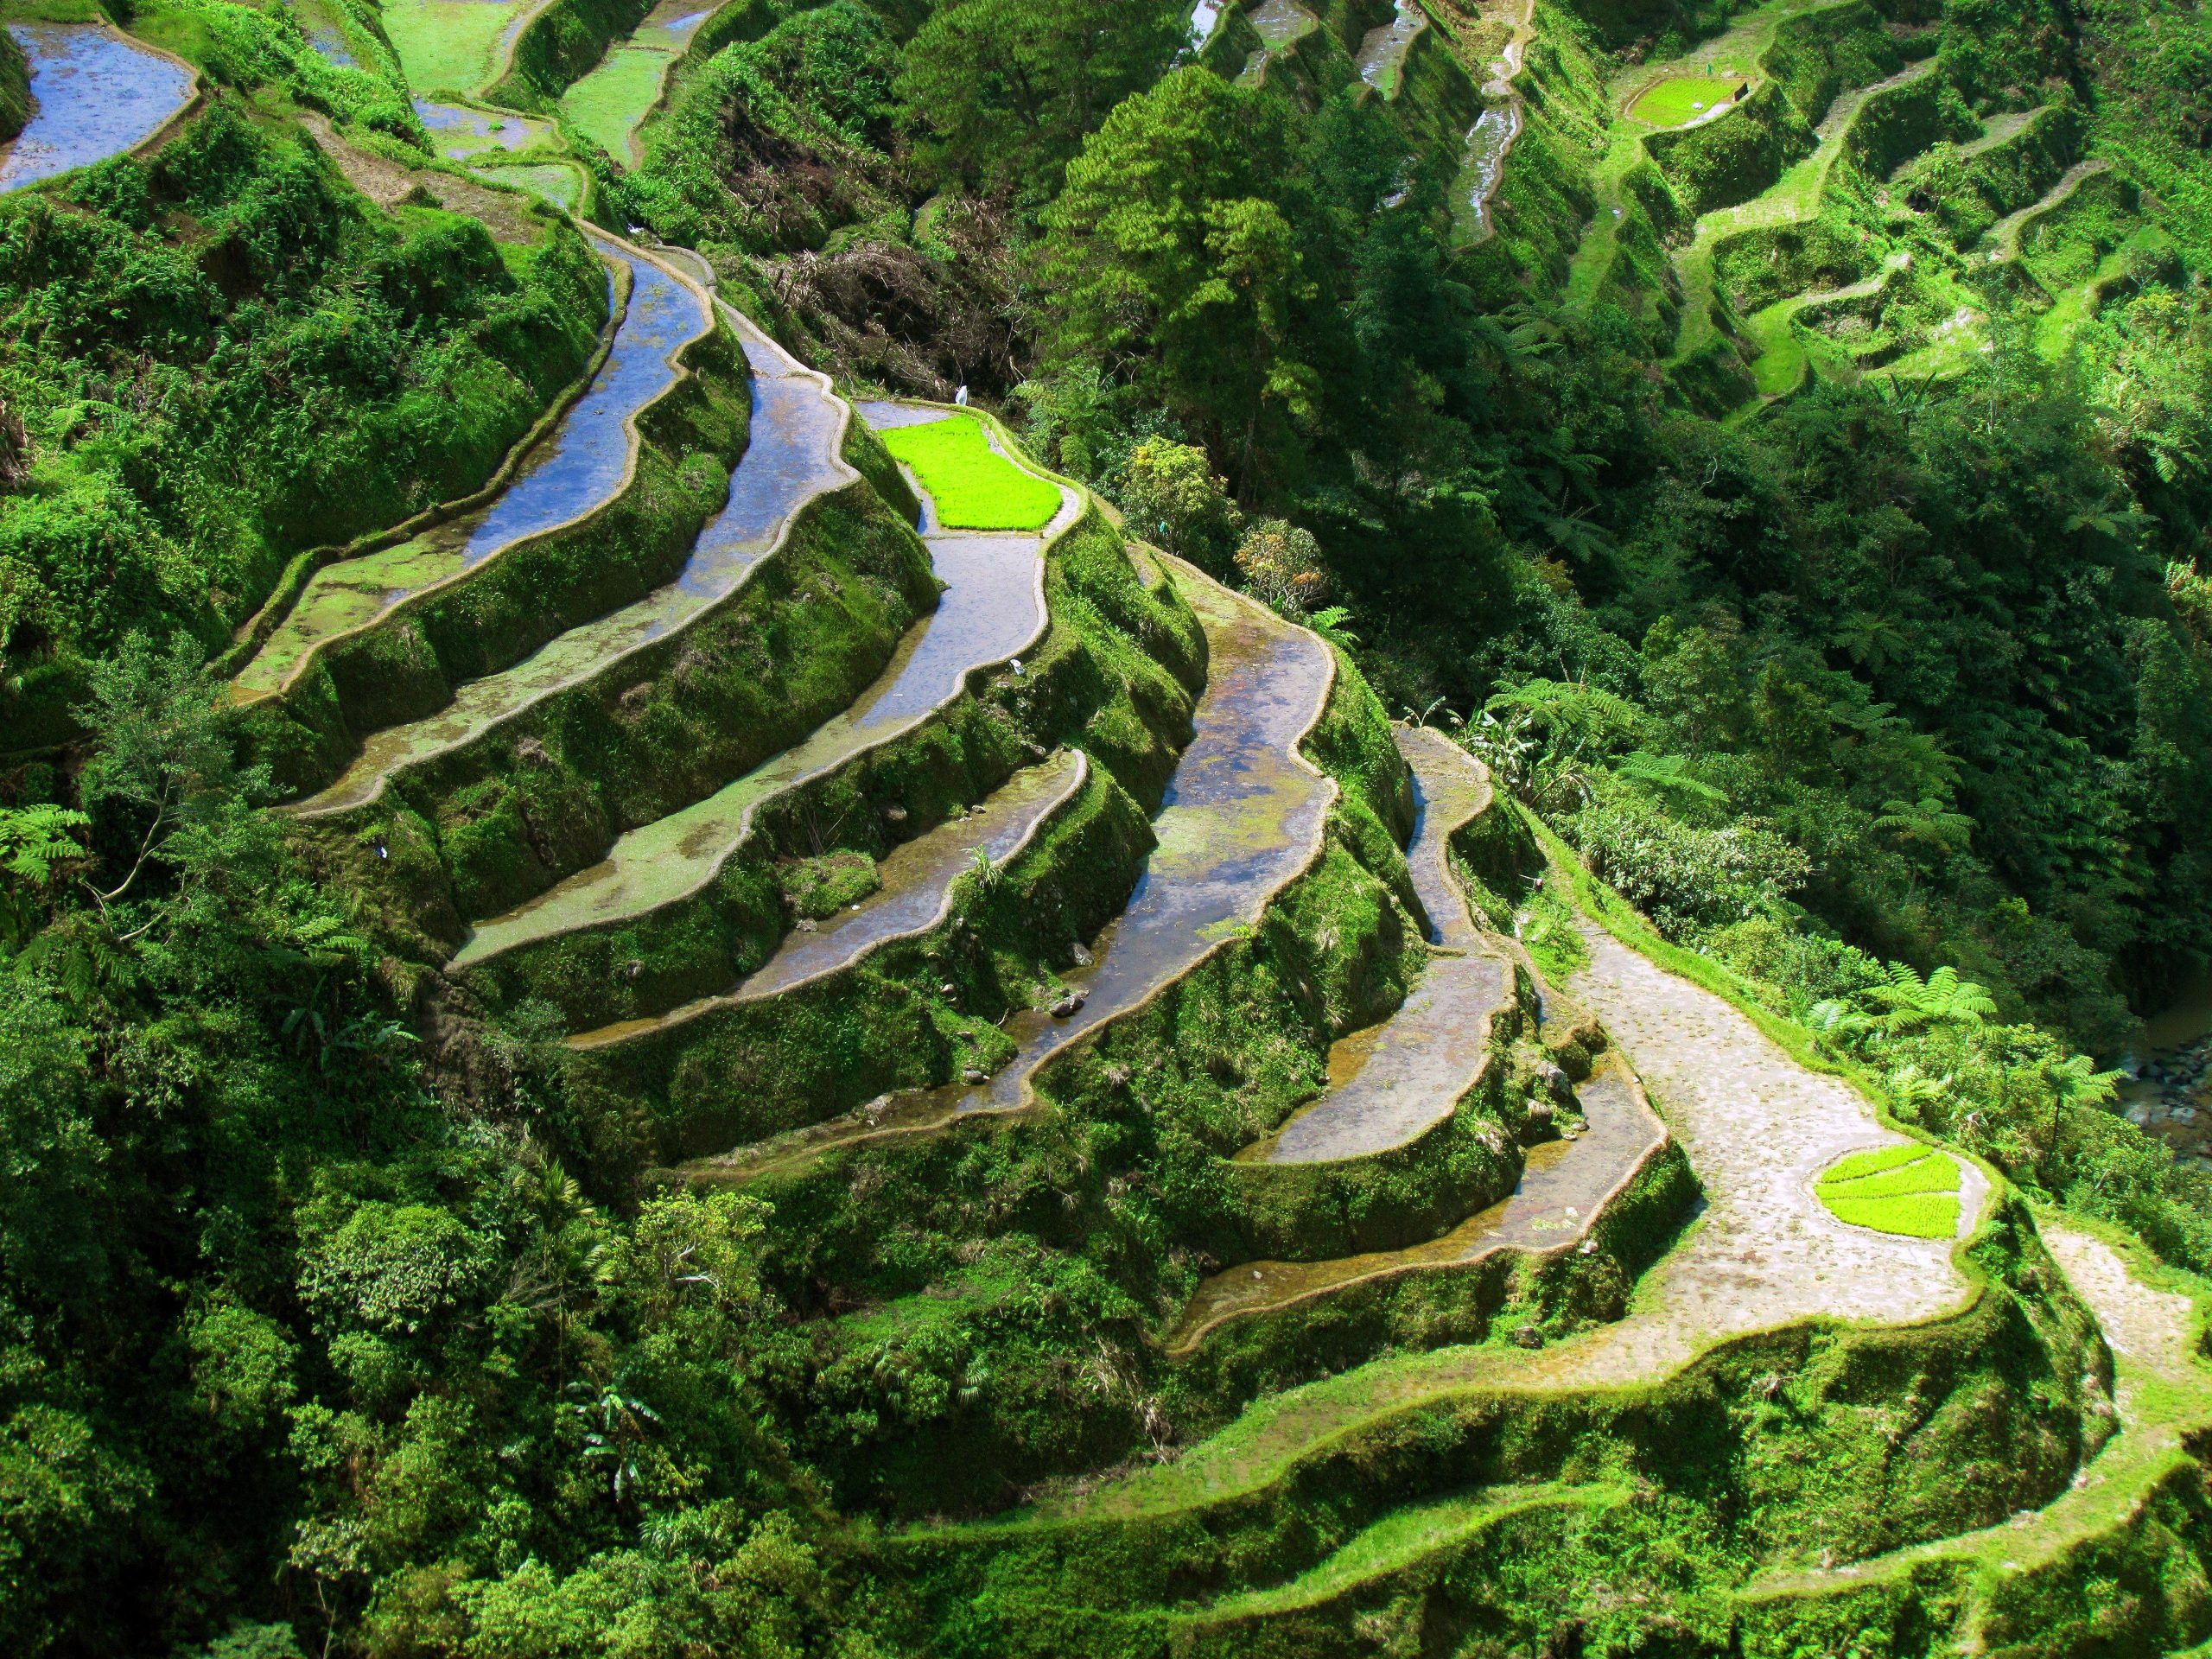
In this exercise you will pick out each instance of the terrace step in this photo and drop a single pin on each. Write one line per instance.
(1794, 199)
(1399, 1553)
(610, 104)
(447, 48)
(2161, 1396)
(583, 464)
(96, 92)
(1564, 1188)
(1381, 58)
(2002, 243)
(792, 459)
(1390, 1084)
(918, 879)
(992, 610)
(1244, 816)
(1757, 1125)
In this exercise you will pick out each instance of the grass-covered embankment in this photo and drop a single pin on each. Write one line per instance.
(205, 397)
(15, 86)
(477, 830)
(405, 663)
(1769, 1449)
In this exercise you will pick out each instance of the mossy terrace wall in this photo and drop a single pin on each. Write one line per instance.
(479, 829)
(1124, 1164)
(1805, 1444)
(559, 46)
(1116, 675)
(407, 664)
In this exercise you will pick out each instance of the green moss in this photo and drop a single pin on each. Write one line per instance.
(15, 86)
(546, 793)
(559, 46)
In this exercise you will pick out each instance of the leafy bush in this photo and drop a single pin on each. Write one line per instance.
(1687, 877)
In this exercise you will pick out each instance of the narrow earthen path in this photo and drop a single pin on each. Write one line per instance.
(992, 610)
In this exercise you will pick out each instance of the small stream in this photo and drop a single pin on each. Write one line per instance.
(2170, 1094)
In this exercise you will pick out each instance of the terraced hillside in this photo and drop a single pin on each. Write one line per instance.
(860, 1033)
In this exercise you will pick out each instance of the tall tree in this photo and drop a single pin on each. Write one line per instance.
(1010, 88)
(1178, 249)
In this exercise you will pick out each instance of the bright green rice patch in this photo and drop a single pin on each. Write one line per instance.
(1682, 99)
(1914, 1215)
(446, 44)
(1912, 1191)
(1858, 1165)
(608, 104)
(1922, 1175)
(975, 486)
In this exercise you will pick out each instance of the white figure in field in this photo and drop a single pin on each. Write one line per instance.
(961, 397)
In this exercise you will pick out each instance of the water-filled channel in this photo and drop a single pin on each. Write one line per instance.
(96, 94)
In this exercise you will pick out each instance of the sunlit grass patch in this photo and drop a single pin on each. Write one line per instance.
(447, 44)
(609, 104)
(1683, 98)
(1909, 1190)
(975, 486)
(1859, 1165)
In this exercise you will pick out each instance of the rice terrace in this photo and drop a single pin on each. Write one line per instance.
(983, 828)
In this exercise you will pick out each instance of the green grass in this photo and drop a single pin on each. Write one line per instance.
(1682, 99)
(1936, 1174)
(1912, 1191)
(446, 44)
(1917, 1214)
(975, 486)
(609, 104)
